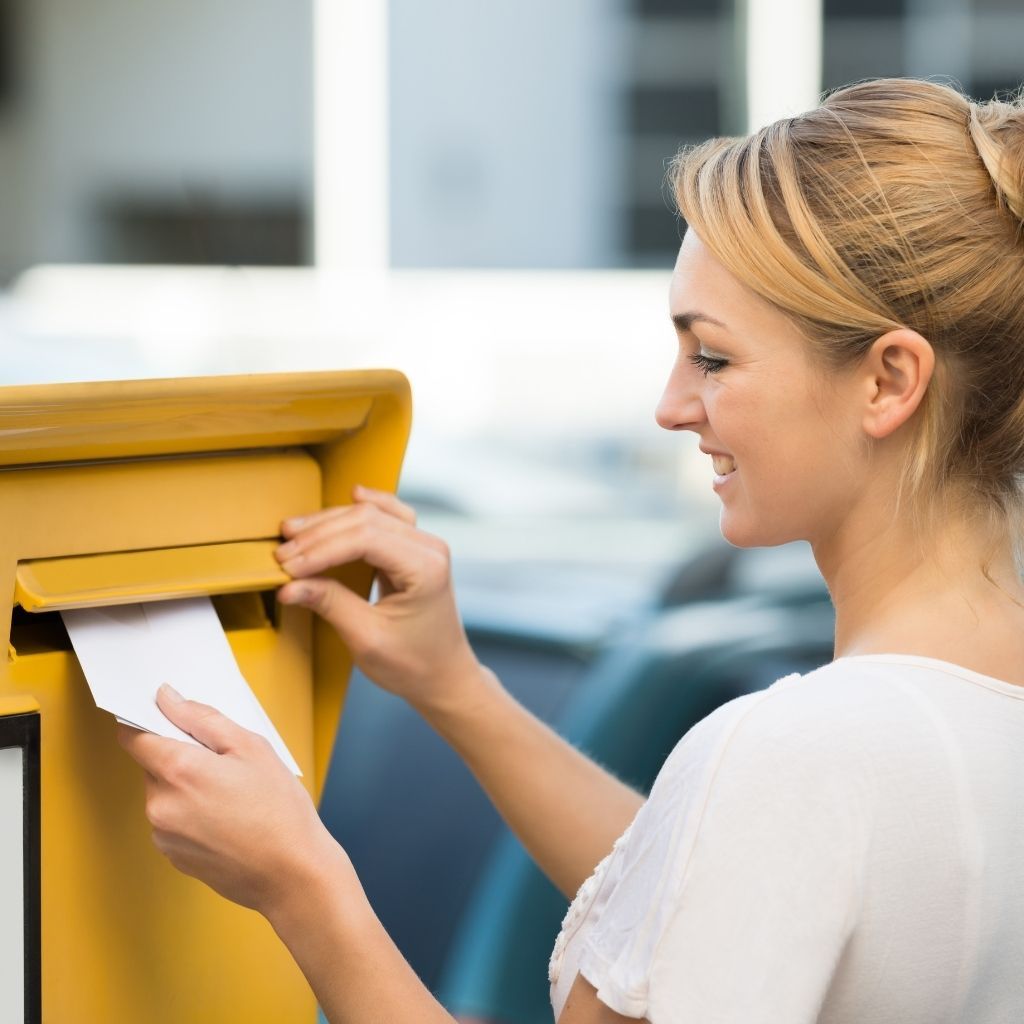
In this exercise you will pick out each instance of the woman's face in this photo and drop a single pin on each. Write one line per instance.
(783, 440)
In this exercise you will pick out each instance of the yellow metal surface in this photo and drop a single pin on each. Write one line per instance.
(120, 419)
(123, 577)
(18, 704)
(133, 490)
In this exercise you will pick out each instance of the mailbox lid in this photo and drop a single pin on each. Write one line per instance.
(161, 574)
(46, 423)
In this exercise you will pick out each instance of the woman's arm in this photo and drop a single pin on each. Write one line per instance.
(231, 814)
(566, 810)
(360, 977)
(353, 967)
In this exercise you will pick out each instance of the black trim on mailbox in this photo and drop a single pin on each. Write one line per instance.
(23, 731)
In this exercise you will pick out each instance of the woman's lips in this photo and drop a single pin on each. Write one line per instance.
(721, 479)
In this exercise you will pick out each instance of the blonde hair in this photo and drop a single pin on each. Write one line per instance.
(896, 203)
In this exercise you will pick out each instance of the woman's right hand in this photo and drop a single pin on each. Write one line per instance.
(411, 641)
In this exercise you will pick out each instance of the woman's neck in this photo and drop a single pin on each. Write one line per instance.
(957, 596)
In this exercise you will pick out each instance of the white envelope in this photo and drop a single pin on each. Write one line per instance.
(127, 651)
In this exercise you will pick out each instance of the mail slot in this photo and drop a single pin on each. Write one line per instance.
(150, 491)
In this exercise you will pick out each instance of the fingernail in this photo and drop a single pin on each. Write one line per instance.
(284, 550)
(299, 594)
(295, 523)
(170, 693)
(292, 566)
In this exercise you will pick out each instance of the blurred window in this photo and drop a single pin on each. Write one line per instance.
(530, 134)
(975, 43)
(155, 133)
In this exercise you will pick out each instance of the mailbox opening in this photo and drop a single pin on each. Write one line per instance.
(44, 632)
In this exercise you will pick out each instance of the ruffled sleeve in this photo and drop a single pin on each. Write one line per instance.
(737, 891)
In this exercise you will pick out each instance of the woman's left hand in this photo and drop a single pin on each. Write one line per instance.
(229, 812)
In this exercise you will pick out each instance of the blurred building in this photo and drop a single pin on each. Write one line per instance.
(536, 135)
(522, 134)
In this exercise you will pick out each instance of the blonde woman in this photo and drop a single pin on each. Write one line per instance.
(845, 846)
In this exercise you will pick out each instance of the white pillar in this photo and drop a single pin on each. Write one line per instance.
(783, 54)
(350, 135)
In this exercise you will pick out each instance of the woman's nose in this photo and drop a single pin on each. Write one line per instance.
(680, 407)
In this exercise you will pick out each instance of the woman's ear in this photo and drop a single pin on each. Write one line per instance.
(895, 372)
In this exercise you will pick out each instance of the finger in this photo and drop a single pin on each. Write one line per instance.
(296, 524)
(367, 519)
(349, 517)
(318, 525)
(386, 502)
(129, 740)
(347, 612)
(395, 548)
(126, 733)
(169, 844)
(162, 841)
(202, 722)
(179, 852)
(153, 753)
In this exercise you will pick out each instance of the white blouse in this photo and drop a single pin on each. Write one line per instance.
(845, 847)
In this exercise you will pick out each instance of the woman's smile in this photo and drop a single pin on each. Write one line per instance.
(723, 463)
(724, 466)
(722, 478)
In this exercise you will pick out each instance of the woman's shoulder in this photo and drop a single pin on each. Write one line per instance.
(836, 714)
(835, 698)
(775, 760)
(824, 693)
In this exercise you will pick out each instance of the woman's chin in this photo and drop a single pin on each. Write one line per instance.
(741, 540)
(746, 531)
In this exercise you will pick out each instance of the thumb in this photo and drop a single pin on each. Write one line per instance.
(202, 722)
(345, 611)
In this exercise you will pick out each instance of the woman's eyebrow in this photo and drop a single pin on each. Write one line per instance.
(683, 321)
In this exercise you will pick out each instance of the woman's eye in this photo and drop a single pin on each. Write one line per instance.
(706, 364)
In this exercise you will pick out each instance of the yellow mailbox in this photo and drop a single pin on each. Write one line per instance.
(139, 491)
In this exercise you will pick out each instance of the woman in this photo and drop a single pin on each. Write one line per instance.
(843, 846)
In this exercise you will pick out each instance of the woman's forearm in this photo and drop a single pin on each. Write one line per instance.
(227, 811)
(353, 967)
(564, 808)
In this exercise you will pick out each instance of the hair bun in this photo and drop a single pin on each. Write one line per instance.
(997, 130)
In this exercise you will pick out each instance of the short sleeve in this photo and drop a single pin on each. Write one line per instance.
(734, 900)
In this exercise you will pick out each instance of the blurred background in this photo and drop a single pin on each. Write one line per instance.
(473, 193)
